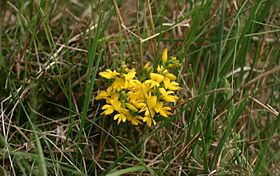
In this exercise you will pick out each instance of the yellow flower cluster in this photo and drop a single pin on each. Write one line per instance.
(130, 99)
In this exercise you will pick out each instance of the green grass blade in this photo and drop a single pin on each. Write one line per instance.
(127, 171)
(227, 132)
(41, 159)
(91, 76)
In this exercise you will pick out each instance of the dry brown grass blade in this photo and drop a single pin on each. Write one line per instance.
(265, 74)
(139, 34)
(153, 43)
(125, 33)
(266, 107)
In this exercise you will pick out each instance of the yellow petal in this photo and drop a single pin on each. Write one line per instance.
(123, 118)
(171, 76)
(147, 65)
(152, 83)
(148, 121)
(164, 92)
(170, 98)
(166, 96)
(102, 95)
(123, 111)
(165, 111)
(160, 69)
(152, 101)
(171, 85)
(108, 109)
(156, 77)
(120, 118)
(130, 75)
(131, 107)
(116, 116)
(134, 119)
(164, 56)
(154, 122)
(116, 104)
(158, 106)
(108, 74)
(118, 84)
(139, 104)
(150, 112)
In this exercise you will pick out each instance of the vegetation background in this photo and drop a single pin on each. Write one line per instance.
(225, 123)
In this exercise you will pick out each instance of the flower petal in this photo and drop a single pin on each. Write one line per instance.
(156, 77)
(108, 74)
(108, 109)
(164, 56)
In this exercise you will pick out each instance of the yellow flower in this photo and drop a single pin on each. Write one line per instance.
(163, 111)
(156, 77)
(152, 83)
(131, 107)
(149, 109)
(108, 74)
(118, 84)
(160, 69)
(150, 112)
(148, 68)
(151, 101)
(120, 117)
(108, 109)
(166, 95)
(130, 75)
(164, 56)
(125, 115)
(135, 120)
(115, 104)
(139, 102)
(104, 94)
(149, 121)
(138, 90)
(170, 85)
(124, 111)
(135, 83)
(170, 76)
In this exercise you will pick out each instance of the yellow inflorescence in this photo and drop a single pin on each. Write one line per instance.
(130, 99)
